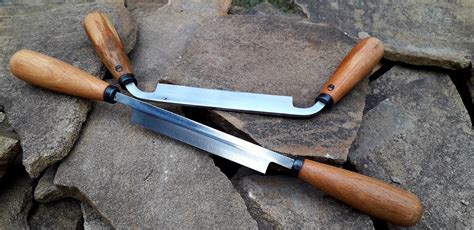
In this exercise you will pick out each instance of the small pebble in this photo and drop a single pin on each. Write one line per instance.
(395, 180)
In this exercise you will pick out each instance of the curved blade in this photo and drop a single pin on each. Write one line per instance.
(202, 137)
(225, 100)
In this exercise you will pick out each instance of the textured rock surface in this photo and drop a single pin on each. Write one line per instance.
(164, 34)
(144, 7)
(92, 218)
(275, 54)
(417, 134)
(48, 123)
(141, 179)
(153, 182)
(278, 202)
(417, 32)
(61, 214)
(46, 190)
(9, 144)
(16, 197)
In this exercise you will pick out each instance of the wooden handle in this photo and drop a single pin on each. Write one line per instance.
(50, 73)
(356, 66)
(367, 194)
(107, 44)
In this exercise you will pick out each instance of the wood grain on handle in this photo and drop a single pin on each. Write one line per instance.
(50, 73)
(356, 66)
(367, 194)
(107, 44)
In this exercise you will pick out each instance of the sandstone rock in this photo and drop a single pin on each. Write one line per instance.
(46, 191)
(61, 214)
(417, 135)
(421, 33)
(278, 202)
(144, 7)
(92, 219)
(48, 123)
(9, 144)
(140, 179)
(275, 54)
(15, 198)
(164, 34)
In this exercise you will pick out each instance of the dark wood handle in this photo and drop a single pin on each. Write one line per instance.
(356, 66)
(107, 44)
(367, 194)
(50, 73)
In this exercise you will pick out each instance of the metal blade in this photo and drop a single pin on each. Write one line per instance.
(225, 100)
(202, 137)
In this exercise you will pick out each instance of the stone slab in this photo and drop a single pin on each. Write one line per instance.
(433, 33)
(49, 123)
(46, 191)
(92, 218)
(279, 202)
(16, 198)
(417, 135)
(61, 214)
(273, 53)
(9, 144)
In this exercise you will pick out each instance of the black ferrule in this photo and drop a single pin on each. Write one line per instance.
(126, 79)
(109, 93)
(296, 167)
(326, 99)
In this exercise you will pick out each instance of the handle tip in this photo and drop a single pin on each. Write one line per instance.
(18, 61)
(376, 44)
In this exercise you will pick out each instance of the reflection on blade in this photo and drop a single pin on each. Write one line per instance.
(225, 100)
(202, 137)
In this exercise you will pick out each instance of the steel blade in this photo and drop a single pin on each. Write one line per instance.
(225, 100)
(202, 137)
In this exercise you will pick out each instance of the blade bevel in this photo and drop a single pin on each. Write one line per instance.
(225, 100)
(202, 137)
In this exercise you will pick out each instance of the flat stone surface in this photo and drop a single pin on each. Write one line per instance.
(92, 218)
(9, 144)
(46, 190)
(16, 198)
(144, 7)
(49, 123)
(164, 34)
(417, 135)
(279, 202)
(61, 214)
(275, 54)
(138, 178)
(428, 32)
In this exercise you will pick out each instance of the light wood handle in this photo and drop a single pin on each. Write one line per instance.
(367, 194)
(50, 73)
(107, 44)
(356, 66)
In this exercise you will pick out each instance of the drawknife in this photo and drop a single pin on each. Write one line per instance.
(356, 66)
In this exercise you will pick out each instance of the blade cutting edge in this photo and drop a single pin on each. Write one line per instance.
(202, 137)
(225, 100)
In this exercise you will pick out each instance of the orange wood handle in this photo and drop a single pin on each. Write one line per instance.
(367, 194)
(356, 66)
(107, 44)
(51, 73)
